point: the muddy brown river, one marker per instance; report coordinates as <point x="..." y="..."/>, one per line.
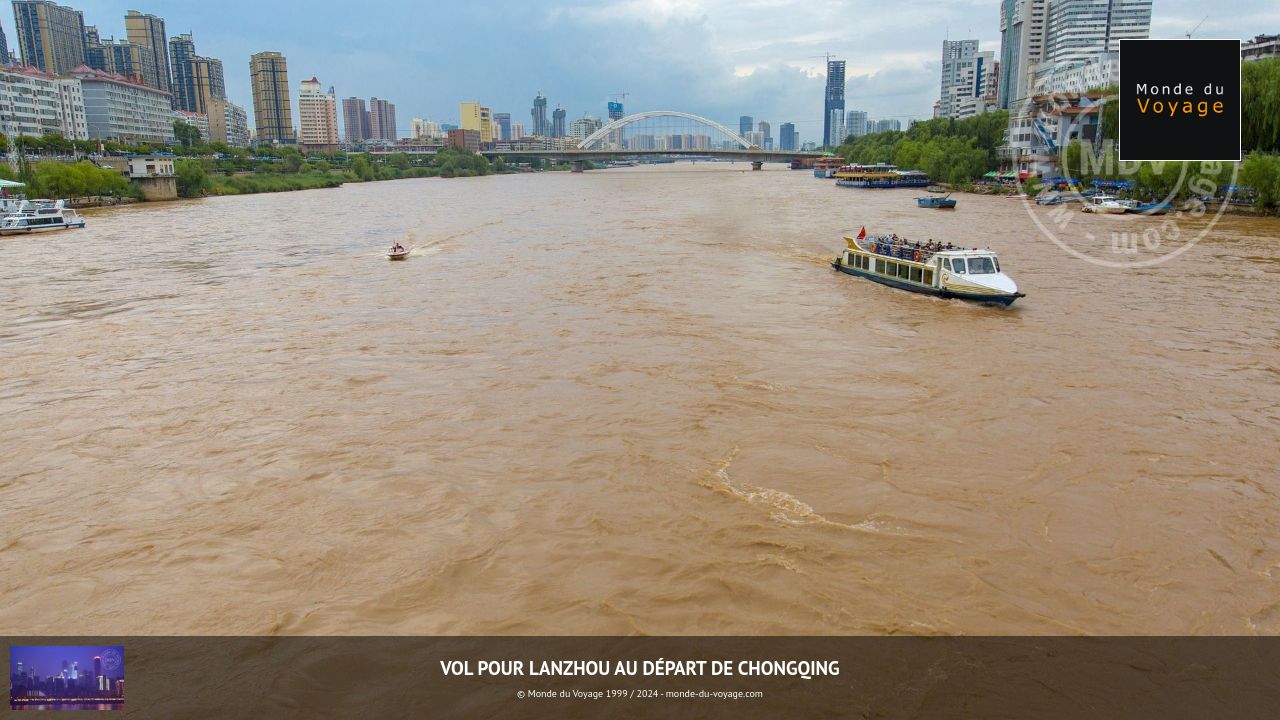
<point x="628" y="401"/>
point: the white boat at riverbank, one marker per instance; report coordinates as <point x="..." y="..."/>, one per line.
<point x="40" y="216"/>
<point x="1108" y="205"/>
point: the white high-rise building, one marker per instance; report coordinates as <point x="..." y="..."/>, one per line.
<point x="318" y="117"/>
<point x="855" y="123"/>
<point x="582" y="128"/>
<point x="425" y="129"/>
<point x="1080" y="30"/>
<point x="517" y="130"/>
<point x="967" y="77"/>
<point x="1022" y="29"/>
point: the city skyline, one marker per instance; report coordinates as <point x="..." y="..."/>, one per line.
<point x="729" y="59"/>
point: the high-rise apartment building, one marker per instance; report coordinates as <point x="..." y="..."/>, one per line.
<point x="272" y="111"/>
<point x="967" y="77"/>
<point x="469" y="116"/>
<point x="197" y="80"/>
<point x="317" y="117"/>
<point x="541" y="128"/>
<point x="746" y="124"/>
<point x="382" y="120"/>
<point x="486" y="125"/>
<point x="558" y="128"/>
<point x="50" y="36"/>
<point x="148" y="31"/>
<point x="4" y="51"/>
<point x="181" y="49"/>
<point x="1080" y="30"/>
<point x="833" y="104"/>
<point x="228" y="123"/>
<point x="355" y="120"/>
<point x="136" y="62"/>
<point x="1022" y="36"/>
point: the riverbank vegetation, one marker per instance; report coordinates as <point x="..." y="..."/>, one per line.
<point x="954" y="151"/>
<point x="69" y="180"/>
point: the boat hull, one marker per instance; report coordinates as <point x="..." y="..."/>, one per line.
<point x="41" y="228"/>
<point x="936" y="203"/>
<point x="397" y="256"/>
<point x="1001" y="299"/>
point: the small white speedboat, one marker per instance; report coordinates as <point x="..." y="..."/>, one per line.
<point x="1108" y="205"/>
<point x="398" y="252"/>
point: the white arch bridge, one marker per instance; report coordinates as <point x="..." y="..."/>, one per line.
<point x="607" y="143"/>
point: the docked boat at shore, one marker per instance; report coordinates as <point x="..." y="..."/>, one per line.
<point x="826" y="167"/>
<point x="1108" y="205"/>
<point x="946" y="272"/>
<point x="879" y="176"/>
<point x="1158" y="208"/>
<point x="40" y="216"/>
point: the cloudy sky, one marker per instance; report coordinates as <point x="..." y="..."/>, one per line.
<point x="717" y="58"/>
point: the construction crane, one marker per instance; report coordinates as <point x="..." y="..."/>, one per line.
<point x="1197" y="27"/>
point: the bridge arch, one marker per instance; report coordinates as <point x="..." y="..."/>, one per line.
<point x="618" y="125"/>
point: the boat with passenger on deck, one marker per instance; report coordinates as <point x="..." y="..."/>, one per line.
<point x="930" y="268"/>
<point x="826" y="167"/>
<point x="40" y="216"/>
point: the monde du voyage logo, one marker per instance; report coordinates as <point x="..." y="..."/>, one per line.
<point x="1180" y="100"/>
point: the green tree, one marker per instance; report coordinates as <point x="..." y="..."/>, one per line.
<point x="362" y="169"/>
<point x="1260" y="98"/>
<point x="187" y="135"/>
<point x="1262" y="173"/>
<point x="192" y="179"/>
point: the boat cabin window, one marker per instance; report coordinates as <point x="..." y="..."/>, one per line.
<point x="981" y="266"/>
<point x="903" y="270"/>
<point x="915" y="274"/>
<point x="957" y="265"/>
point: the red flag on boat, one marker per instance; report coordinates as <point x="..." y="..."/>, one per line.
<point x="863" y="232"/>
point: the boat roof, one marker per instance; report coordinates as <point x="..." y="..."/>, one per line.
<point x="953" y="252"/>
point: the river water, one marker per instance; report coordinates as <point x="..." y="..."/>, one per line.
<point x="627" y="401"/>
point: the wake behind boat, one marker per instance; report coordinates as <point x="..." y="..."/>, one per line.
<point x="932" y="269"/>
<point x="40" y="216"/>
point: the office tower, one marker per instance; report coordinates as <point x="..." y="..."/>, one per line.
<point x="557" y="122"/>
<point x="50" y="36"/>
<point x="502" y="121"/>
<point x="1022" y="28"/>
<point x="1080" y="30"/>
<point x="486" y="125"/>
<point x="539" y="113"/>
<point x="272" y="112"/>
<point x="745" y="125"/>
<point x="97" y="665"/>
<point x="355" y="120"/>
<point x="317" y="117"/>
<point x="148" y="31"/>
<point x="382" y="120"/>
<point x="833" y="103"/>
<point x="765" y="131"/>
<point x="787" y="137"/>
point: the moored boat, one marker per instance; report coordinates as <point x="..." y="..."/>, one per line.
<point x="826" y="167"/>
<point x="944" y="272"/>
<point x="1107" y="205"/>
<point x="1159" y="208"/>
<point x="943" y="203"/>
<point x="40" y="216"/>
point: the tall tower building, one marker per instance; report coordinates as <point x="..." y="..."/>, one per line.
<point x="1022" y="28"/>
<point x="355" y="120"/>
<point x="469" y="116"/>
<point x="833" y="103"/>
<point x="181" y="49"/>
<point x="967" y="75"/>
<point x="136" y="62"/>
<point x="1080" y="30"/>
<point x="558" y="122"/>
<point x="272" y="114"/>
<point x="764" y="130"/>
<point x="502" y="126"/>
<point x="148" y="31"/>
<point x="382" y="120"/>
<point x="746" y="124"/>
<point x="317" y="117"/>
<point x="97" y="665"/>
<point x="540" y="126"/>
<point x="787" y="137"/>
<point x="50" y="36"/>
<point x="4" y="47"/>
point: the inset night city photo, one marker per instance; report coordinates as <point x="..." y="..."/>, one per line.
<point x="66" y="677"/>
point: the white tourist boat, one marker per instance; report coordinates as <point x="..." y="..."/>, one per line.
<point x="949" y="273"/>
<point x="1108" y="205"/>
<point x="40" y="216"/>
